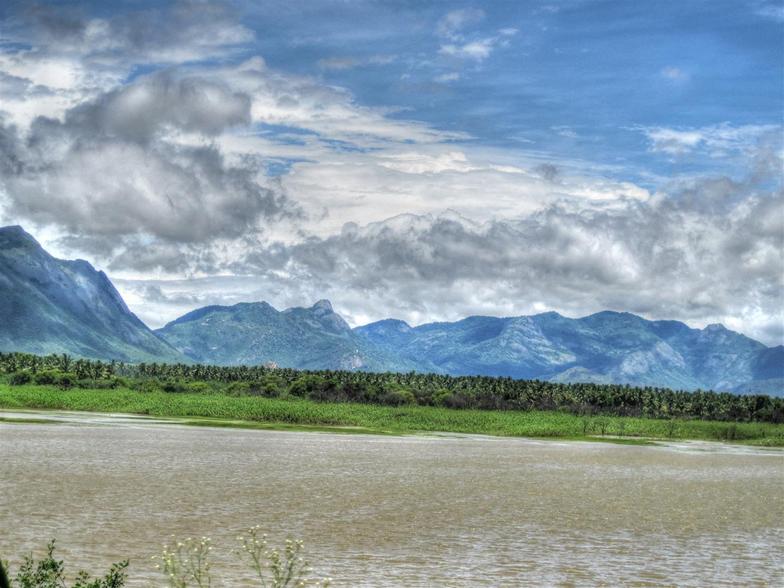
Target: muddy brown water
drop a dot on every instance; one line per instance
(396, 511)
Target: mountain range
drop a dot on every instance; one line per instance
(49, 305)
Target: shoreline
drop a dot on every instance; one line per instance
(217, 410)
(38, 416)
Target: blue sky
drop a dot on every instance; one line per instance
(425, 160)
(592, 71)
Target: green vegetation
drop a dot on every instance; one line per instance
(183, 564)
(393, 389)
(291, 412)
(389, 402)
(50, 573)
(187, 563)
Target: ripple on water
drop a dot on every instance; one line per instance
(398, 511)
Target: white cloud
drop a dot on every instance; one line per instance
(716, 140)
(343, 63)
(452, 24)
(447, 77)
(666, 258)
(305, 103)
(478, 50)
(462, 45)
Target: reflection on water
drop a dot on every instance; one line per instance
(397, 511)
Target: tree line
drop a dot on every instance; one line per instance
(398, 389)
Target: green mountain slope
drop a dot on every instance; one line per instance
(49, 305)
(257, 333)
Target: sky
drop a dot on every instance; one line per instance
(410, 159)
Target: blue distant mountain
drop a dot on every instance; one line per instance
(256, 333)
(50, 305)
(606, 347)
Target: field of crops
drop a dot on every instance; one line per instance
(408, 419)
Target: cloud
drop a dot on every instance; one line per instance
(447, 77)
(452, 24)
(306, 103)
(66, 57)
(672, 257)
(478, 50)
(715, 141)
(119, 166)
(344, 63)
(461, 45)
(701, 250)
(183, 31)
(160, 157)
(160, 102)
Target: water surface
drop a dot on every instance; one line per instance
(396, 511)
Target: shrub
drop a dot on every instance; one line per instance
(271, 386)
(55, 378)
(397, 397)
(441, 397)
(238, 389)
(458, 400)
(4, 583)
(50, 573)
(19, 378)
(147, 385)
(313, 387)
(198, 387)
(172, 386)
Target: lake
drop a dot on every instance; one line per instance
(395, 511)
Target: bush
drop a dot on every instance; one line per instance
(55, 378)
(271, 386)
(19, 378)
(313, 387)
(198, 388)
(50, 573)
(101, 384)
(238, 389)
(459, 400)
(146, 385)
(172, 386)
(397, 397)
(441, 397)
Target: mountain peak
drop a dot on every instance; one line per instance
(323, 305)
(15, 236)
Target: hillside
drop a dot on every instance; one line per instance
(256, 333)
(50, 305)
(607, 347)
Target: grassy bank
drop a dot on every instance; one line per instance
(295, 413)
